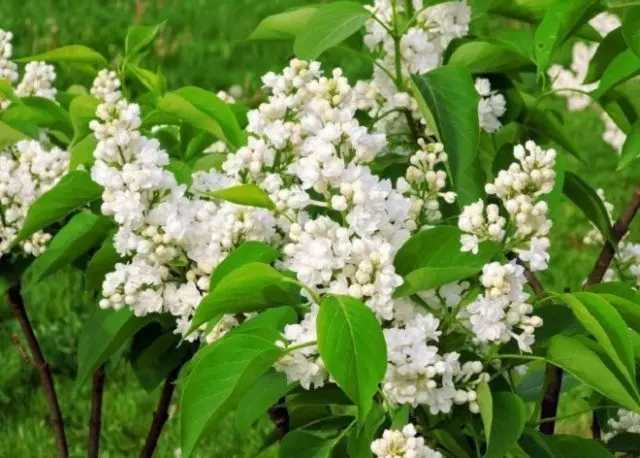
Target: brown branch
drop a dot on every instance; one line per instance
(95, 420)
(553, 377)
(15, 300)
(279, 415)
(533, 281)
(620, 228)
(596, 431)
(161, 415)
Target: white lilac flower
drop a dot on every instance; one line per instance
(627, 422)
(491, 108)
(37, 81)
(402, 444)
(418, 374)
(496, 315)
(519, 188)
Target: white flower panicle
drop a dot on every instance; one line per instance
(27, 170)
(37, 81)
(491, 108)
(496, 315)
(8, 68)
(402, 444)
(425, 181)
(519, 188)
(418, 374)
(627, 422)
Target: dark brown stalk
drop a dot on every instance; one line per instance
(95, 420)
(280, 418)
(620, 228)
(553, 377)
(17, 304)
(161, 415)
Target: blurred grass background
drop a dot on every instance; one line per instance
(203, 45)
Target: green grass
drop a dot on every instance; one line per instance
(202, 45)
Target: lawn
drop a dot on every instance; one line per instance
(202, 45)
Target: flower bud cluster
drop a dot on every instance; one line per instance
(402, 444)
(491, 108)
(37, 81)
(27, 170)
(627, 422)
(418, 374)
(519, 189)
(495, 315)
(426, 180)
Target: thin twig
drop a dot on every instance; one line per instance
(161, 415)
(533, 281)
(17, 304)
(95, 420)
(620, 228)
(280, 417)
(553, 374)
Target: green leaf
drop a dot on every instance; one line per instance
(74, 190)
(275, 318)
(539, 445)
(83, 232)
(300, 443)
(211, 105)
(146, 77)
(251, 287)
(455, 442)
(246, 253)
(542, 122)
(43, 112)
(452, 101)
(612, 45)
(203, 110)
(533, 12)
(509, 417)
(219, 380)
(329, 26)
(266, 392)
(250, 195)
(602, 321)
(485, 402)
(139, 36)
(283, 26)
(82, 111)
(623, 67)
(631, 147)
(352, 347)
(102, 263)
(361, 436)
(74, 54)
(631, 28)
(82, 152)
(489, 57)
(211, 161)
(102, 335)
(587, 200)
(625, 443)
(9, 136)
(432, 258)
(155, 352)
(572, 356)
(562, 18)
(181, 170)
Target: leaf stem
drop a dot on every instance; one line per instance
(95, 420)
(293, 348)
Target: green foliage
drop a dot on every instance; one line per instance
(246, 194)
(74, 191)
(451, 104)
(433, 258)
(329, 26)
(352, 347)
